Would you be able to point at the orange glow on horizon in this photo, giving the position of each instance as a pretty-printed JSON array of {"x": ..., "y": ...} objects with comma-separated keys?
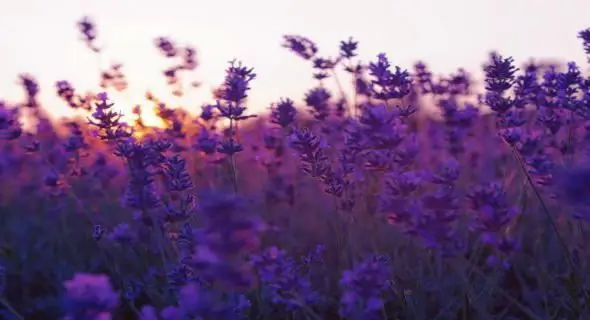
[
  {"x": 446, "y": 35},
  {"x": 124, "y": 103}
]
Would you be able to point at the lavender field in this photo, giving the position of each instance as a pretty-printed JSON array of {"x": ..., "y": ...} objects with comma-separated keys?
[{"x": 416, "y": 197}]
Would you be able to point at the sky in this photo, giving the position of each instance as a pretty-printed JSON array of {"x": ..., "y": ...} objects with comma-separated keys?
[{"x": 40, "y": 37}]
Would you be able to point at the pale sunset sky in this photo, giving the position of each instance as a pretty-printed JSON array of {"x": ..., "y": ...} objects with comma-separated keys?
[{"x": 40, "y": 37}]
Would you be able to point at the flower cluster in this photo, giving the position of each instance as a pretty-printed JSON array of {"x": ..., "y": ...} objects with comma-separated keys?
[{"x": 413, "y": 197}]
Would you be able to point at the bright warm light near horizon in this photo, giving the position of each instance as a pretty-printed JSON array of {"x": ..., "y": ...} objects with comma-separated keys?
[
  {"x": 445, "y": 34},
  {"x": 125, "y": 103}
]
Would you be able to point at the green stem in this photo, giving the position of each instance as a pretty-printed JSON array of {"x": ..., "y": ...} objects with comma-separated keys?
[{"x": 9, "y": 307}]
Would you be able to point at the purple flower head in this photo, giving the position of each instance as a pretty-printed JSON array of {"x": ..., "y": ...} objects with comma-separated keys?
[
  {"x": 88, "y": 296},
  {"x": 447, "y": 173},
  {"x": 500, "y": 73},
  {"x": 403, "y": 184},
  {"x": 205, "y": 141},
  {"x": 88, "y": 30},
  {"x": 207, "y": 112},
  {"x": 75, "y": 142},
  {"x": 166, "y": 47},
  {"x": 362, "y": 87},
  {"x": 377, "y": 116},
  {"x": 148, "y": 313},
  {"x": 494, "y": 215},
  {"x": 66, "y": 91},
  {"x": 335, "y": 183},
  {"x": 282, "y": 281},
  {"x": 283, "y": 112},
  {"x": 177, "y": 177},
  {"x": 386, "y": 84},
  {"x": 323, "y": 66},
  {"x": 585, "y": 36},
  {"x": 459, "y": 83},
  {"x": 318, "y": 99},
  {"x": 492, "y": 222},
  {"x": 141, "y": 192},
  {"x": 498, "y": 103},
  {"x": 540, "y": 166},
  {"x": 382, "y": 129},
  {"x": 219, "y": 206},
  {"x": 437, "y": 223},
  {"x": 189, "y": 57},
  {"x": 31, "y": 87},
  {"x": 423, "y": 77},
  {"x": 10, "y": 127},
  {"x": 487, "y": 194},
  {"x": 232, "y": 111},
  {"x": 348, "y": 48},
  {"x": 231, "y": 234},
  {"x": 109, "y": 124},
  {"x": 30, "y": 84},
  {"x": 571, "y": 78},
  {"x": 114, "y": 77},
  {"x": 364, "y": 287},
  {"x": 311, "y": 151},
  {"x": 236, "y": 84},
  {"x": 229, "y": 147},
  {"x": 301, "y": 46},
  {"x": 527, "y": 86}
]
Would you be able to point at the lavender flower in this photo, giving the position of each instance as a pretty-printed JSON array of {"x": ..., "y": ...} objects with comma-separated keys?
[
  {"x": 348, "y": 48},
  {"x": 283, "y": 113},
  {"x": 235, "y": 88},
  {"x": 31, "y": 87},
  {"x": 166, "y": 47},
  {"x": 89, "y": 296},
  {"x": 108, "y": 121},
  {"x": 89, "y": 33},
  {"x": 177, "y": 177},
  {"x": 450, "y": 179},
  {"x": 282, "y": 280},
  {"x": 386, "y": 84},
  {"x": 301, "y": 46},
  {"x": 231, "y": 234},
  {"x": 494, "y": 217},
  {"x": 313, "y": 156},
  {"x": 205, "y": 142},
  {"x": 585, "y": 36},
  {"x": 364, "y": 287},
  {"x": 318, "y": 101}
]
